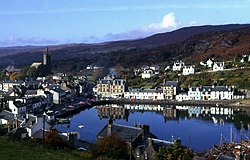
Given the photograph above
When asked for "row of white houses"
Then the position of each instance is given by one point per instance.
(194, 93)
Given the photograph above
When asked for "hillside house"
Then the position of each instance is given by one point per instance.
(147, 73)
(209, 63)
(245, 58)
(218, 66)
(155, 67)
(188, 69)
(178, 65)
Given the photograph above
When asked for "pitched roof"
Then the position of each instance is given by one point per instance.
(127, 133)
(7, 115)
(171, 83)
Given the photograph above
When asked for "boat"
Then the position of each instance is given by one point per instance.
(81, 126)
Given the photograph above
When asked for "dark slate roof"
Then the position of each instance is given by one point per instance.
(47, 92)
(222, 88)
(7, 115)
(125, 132)
(105, 81)
(134, 89)
(19, 104)
(171, 83)
(20, 130)
(216, 88)
(58, 90)
(39, 134)
(30, 122)
(213, 88)
(30, 92)
(153, 90)
(13, 81)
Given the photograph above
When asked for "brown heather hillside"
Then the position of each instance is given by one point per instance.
(220, 45)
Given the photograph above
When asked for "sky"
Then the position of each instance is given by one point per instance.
(51, 22)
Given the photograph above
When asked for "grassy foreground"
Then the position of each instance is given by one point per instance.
(30, 151)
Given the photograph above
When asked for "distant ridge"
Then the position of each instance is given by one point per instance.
(179, 43)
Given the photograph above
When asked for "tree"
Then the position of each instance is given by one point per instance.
(32, 72)
(112, 147)
(175, 152)
(52, 139)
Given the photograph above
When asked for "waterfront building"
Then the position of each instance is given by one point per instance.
(110, 87)
(194, 93)
(59, 95)
(182, 96)
(211, 93)
(144, 94)
(170, 89)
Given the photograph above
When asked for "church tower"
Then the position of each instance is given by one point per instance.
(47, 61)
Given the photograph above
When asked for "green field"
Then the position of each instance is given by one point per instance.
(31, 151)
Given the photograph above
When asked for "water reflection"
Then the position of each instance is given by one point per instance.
(198, 126)
(217, 115)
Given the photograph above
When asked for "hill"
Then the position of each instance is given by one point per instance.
(191, 44)
(30, 150)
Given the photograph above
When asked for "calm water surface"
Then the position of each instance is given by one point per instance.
(197, 126)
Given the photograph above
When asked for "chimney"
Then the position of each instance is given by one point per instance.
(135, 125)
(110, 122)
(145, 131)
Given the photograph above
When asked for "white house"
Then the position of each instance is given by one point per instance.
(148, 73)
(194, 93)
(222, 92)
(144, 94)
(209, 63)
(187, 70)
(182, 97)
(218, 66)
(59, 95)
(17, 107)
(155, 67)
(178, 65)
(34, 123)
(211, 93)
(8, 85)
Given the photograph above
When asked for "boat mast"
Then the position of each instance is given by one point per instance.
(231, 134)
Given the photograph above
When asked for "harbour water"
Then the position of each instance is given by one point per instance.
(198, 127)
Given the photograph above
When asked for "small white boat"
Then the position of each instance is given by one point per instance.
(81, 126)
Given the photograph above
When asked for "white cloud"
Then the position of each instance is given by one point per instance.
(14, 41)
(167, 24)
